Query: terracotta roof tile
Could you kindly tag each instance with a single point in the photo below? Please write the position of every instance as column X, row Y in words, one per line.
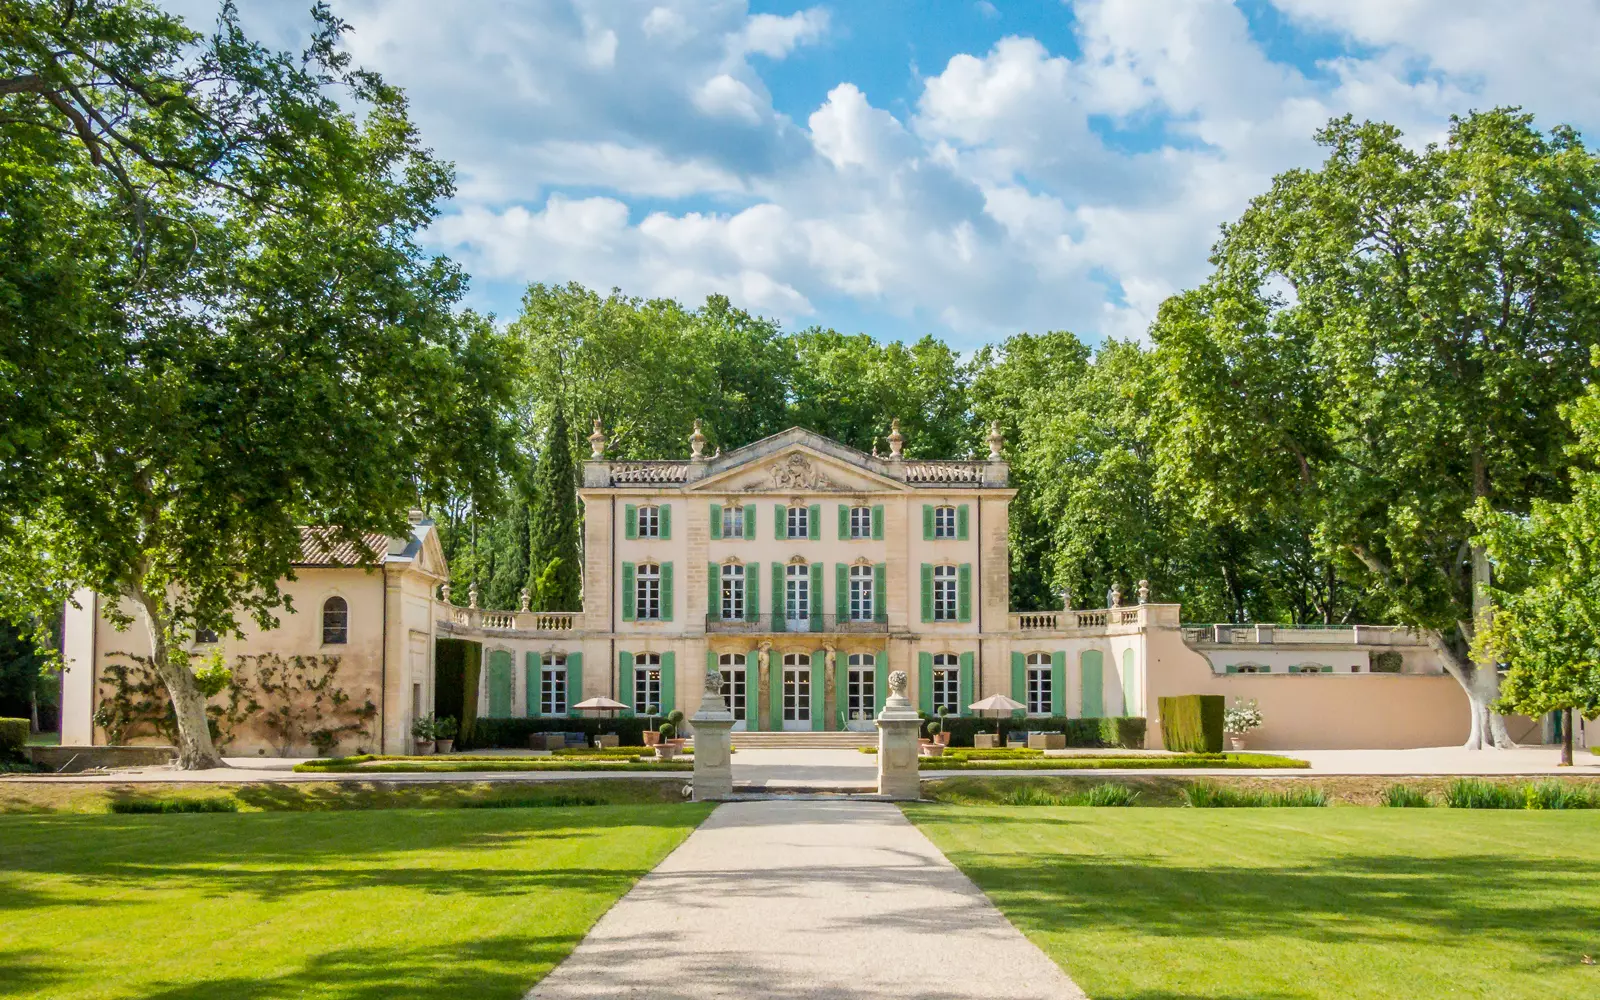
column 322, row 547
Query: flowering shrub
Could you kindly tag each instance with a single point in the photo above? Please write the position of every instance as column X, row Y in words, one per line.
column 1242, row 716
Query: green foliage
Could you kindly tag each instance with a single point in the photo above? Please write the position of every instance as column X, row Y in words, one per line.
column 1406, row 797
column 1475, row 793
column 1126, row 732
column 1209, row 795
column 445, row 729
column 424, row 728
column 1230, row 762
column 532, row 802
column 668, row 731
column 28, row 675
column 297, row 692
column 161, row 804
column 513, row 733
column 1387, row 662
column 134, row 702
column 555, row 567
column 1193, row 723
column 1100, row 795
column 13, row 737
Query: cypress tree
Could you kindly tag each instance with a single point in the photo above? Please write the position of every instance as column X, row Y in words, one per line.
column 555, row 573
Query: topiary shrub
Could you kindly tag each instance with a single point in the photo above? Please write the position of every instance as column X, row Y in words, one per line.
column 668, row 731
column 13, row 737
column 1192, row 723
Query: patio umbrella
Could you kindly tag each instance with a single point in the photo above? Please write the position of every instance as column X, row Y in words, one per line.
column 599, row 704
column 998, row 704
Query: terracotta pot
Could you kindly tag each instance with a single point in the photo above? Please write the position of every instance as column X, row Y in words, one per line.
column 666, row 751
column 933, row 749
column 1236, row 741
column 424, row 747
column 943, row 739
column 651, row 737
column 445, row 746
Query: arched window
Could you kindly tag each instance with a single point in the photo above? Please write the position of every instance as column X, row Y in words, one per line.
column 649, row 522
column 335, row 622
column 944, row 522
column 1039, row 684
column 861, row 595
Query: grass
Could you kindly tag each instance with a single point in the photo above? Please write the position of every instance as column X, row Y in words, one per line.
column 1099, row 795
column 432, row 904
column 44, row 739
column 1290, row 904
column 1210, row 795
column 1230, row 761
column 446, row 765
column 1406, row 797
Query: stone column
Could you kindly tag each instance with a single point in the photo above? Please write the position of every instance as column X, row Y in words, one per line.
column 898, row 729
column 713, row 726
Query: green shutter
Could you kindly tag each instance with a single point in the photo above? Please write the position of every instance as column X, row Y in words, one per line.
column 1263, row 670
column 716, row 521
column 841, row 594
column 713, row 593
column 927, row 522
column 1231, row 669
column 927, row 592
column 501, row 666
column 844, row 522
column 964, row 684
column 664, row 521
column 631, row 522
column 961, row 522
column 669, row 682
column 1130, row 686
column 814, row 522
column 666, row 592
column 1019, row 678
column 530, row 685
column 625, row 682
column 775, row 691
column 779, row 613
column 574, row 682
column 880, row 681
column 752, row 592
column 819, row 666
column 749, row 525
column 877, row 522
column 816, row 597
column 925, row 682
column 627, row 591
column 1091, row 681
column 1058, row 683
column 880, row 597
column 964, row 592
column 780, row 521
column 1327, row 668
column 841, row 689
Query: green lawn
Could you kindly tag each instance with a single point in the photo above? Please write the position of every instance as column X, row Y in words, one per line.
column 412, row 903
column 1274, row 904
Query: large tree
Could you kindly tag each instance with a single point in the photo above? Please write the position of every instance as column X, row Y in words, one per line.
column 1384, row 345
column 555, row 570
column 219, row 326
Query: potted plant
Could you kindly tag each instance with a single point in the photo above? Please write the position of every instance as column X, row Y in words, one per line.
column 932, row 747
column 444, row 734
column 651, row 736
column 423, row 732
column 942, row 736
column 676, row 718
column 666, row 747
column 1240, row 718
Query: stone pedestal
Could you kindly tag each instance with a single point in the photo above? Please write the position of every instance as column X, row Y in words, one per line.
column 713, row 743
column 898, row 729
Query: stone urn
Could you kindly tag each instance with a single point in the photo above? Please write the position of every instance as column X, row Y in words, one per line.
column 666, row 750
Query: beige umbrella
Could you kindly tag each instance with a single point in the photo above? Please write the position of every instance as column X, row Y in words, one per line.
column 599, row 704
column 998, row 704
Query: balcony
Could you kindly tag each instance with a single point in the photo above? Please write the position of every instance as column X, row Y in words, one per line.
column 473, row 619
column 761, row 624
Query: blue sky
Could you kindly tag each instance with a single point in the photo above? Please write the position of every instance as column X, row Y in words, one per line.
column 966, row 169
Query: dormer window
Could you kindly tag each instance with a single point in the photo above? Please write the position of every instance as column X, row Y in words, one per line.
column 799, row 522
column 860, row 522
column 733, row 522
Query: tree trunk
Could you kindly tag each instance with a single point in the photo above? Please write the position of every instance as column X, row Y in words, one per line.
column 1486, row 676
column 195, row 750
column 1488, row 729
column 33, row 707
column 1566, row 737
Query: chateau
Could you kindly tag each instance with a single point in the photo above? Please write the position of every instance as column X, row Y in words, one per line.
column 805, row 571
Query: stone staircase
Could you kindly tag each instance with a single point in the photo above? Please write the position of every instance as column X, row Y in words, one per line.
column 804, row 741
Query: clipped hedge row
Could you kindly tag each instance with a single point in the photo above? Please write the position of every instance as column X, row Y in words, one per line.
column 448, row 766
column 1192, row 723
column 1243, row 761
column 514, row 733
column 13, row 737
column 1124, row 732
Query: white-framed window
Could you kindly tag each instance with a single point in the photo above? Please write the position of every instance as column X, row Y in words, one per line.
column 799, row 522
column 553, row 684
column 733, row 522
column 732, row 592
column 796, row 687
column 647, row 684
column 733, row 689
column 861, row 595
column 335, row 622
column 944, row 593
column 947, row 683
column 860, row 522
column 860, row 686
column 944, row 522
column 205, row 636
column 1039, row 682
column 647, row 591
column 797, row 592
column 649, row 522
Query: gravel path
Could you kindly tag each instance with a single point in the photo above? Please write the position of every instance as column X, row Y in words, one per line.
column 788, row 899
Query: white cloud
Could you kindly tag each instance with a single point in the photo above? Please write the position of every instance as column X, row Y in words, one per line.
column 851, row 133
column 771, row 35
column 722, row 95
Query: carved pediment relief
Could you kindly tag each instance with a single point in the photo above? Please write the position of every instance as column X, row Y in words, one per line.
column 796, row 472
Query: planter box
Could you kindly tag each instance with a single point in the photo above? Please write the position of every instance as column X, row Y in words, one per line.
column 985, row 741
column 1047, row 741
column 610, row 740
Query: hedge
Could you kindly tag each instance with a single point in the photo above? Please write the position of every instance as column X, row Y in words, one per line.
column 13, row 737
column 1192, row 723
column 538, row 764
column 1122, row 731
column 514, row 733
column 1243, row 761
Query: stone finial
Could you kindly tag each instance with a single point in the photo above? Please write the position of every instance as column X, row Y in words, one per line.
column 472, row 595
column 896, row 442
column 1114, row 596
column 526, row 598
column 897, row 683
column 1144, row 591
column 697, row 444
column 597, row 441
column 1066, row 598
column 714, row 680
column 997, row 440
column 444, row 591
column 875, row 448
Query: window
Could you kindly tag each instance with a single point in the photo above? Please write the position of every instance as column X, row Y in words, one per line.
column 797, row 592
column 860, row 522
column 1250, row 668
column 732, row 592
column 860, row 687
column 206, row 636
column 944, row 593
column 944, row 522
column 733, row 691
column 799, row 522
column 335, row 622
column 861, row 593
column 647, row 684
column 733, row 522
column 649, row 522
column 553, row 684
column 647, row 591
column 1039, row 682
column 796, row 687
column 946, row 683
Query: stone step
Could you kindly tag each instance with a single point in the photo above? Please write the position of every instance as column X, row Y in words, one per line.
column 798, row 740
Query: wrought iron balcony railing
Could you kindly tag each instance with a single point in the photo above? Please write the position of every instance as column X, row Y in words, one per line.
column 812, row 623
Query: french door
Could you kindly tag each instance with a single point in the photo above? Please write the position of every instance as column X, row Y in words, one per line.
column 733, row 689
column 796, row 691
column 860, row 691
